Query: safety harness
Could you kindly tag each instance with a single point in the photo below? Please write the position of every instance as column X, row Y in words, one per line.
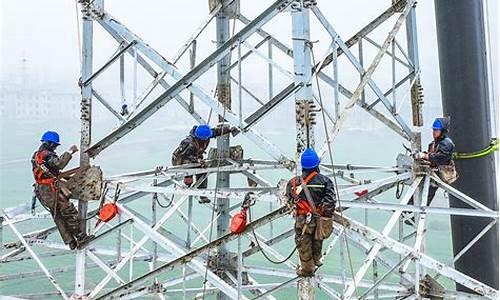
column 40, row 171
column 303, row 206
column 492, row 147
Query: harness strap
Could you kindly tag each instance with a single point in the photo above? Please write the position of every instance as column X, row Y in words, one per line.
column 38, row 171
column 303, row 206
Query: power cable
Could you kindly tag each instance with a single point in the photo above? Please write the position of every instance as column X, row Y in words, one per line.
column 333, row 167
column 276, row 262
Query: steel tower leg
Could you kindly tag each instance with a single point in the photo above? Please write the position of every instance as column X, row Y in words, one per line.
column 464, row 88
column 303, row 72
column 223, row 32
column 302, row 63
column 86, row 125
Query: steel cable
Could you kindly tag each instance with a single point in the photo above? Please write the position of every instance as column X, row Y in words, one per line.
column 333, row 167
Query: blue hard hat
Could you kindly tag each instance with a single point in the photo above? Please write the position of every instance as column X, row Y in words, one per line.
column 437, row 125
column 203, row 132
column 309, row 159
column 50, row 136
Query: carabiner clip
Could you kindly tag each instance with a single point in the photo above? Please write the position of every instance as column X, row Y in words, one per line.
column 308, row 218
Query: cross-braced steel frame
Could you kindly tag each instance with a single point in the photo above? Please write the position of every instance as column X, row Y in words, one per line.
column 190, row 262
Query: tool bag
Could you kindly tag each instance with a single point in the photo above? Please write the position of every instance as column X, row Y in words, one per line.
column 324, row 228
column 86, row 183
column 448, row 173
column 239, row 221
column 324, row 225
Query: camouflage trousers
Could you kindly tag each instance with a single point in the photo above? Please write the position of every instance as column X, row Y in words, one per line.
column 63, row 212
column 309, row 248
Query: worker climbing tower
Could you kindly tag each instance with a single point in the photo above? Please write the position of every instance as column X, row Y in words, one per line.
column 163, row 244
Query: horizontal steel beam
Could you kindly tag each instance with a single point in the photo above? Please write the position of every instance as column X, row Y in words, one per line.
column 422, row 209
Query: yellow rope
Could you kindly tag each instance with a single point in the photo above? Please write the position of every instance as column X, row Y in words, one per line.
column 492, row 147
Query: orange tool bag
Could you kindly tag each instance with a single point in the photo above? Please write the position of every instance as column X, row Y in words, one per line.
column 239, row 221
column 107, row 212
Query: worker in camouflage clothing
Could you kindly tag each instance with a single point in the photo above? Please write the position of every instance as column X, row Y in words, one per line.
column 47, row 166
column 192, row 148
column 313, row 196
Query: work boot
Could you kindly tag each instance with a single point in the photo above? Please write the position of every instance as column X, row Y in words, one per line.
column 73, row 244
column 318, row 262
column 301, row 272
column 83, row 240
column 203, row 199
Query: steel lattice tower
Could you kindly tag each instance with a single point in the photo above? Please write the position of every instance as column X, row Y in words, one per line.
column 193, row 265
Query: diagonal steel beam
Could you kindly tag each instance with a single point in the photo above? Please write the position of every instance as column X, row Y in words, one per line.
column 107, row 105
column 351, row 287
column 366, row 79
column 366, row 30
column 108, row 63
column 145, row 64
column 329, row 59
column 187, row 81
column 425, row 260
column 35, row 257
column 137, row 246
column 200, row 29
column 465, row 198
column 192, row 254
column 271, row 104
column 195, row 264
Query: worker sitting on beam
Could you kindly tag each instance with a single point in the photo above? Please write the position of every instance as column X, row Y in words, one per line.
column 192, row 148
column 47, row 166
column 313, row 197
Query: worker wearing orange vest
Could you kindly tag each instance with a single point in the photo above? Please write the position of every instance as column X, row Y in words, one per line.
column 47, row 166
column 320, row 191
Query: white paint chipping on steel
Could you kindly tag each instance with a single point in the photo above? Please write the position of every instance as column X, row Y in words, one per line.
column 168, row 180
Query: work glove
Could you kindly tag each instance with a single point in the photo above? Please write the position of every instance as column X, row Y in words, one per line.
column 234, row 131
column 201, row 162
column 73, row 149
column 421, row 155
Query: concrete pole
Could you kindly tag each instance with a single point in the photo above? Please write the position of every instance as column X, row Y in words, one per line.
column 465, row 97
column 302, row 63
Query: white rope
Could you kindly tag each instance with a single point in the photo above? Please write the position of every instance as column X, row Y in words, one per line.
column 77, row 16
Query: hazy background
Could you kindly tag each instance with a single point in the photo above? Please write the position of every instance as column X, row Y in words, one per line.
column 40, row 70
column 39, row 64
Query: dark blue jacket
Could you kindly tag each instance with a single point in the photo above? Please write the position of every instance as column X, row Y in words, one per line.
column 441, row 151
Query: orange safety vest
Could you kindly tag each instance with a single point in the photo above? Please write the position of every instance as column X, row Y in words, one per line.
column 302, row 206
column 38, row 172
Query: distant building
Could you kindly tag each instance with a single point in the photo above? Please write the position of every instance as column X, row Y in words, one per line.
column 28, row 104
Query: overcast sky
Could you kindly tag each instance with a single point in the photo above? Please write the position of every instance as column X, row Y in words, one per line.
column 44, row 33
